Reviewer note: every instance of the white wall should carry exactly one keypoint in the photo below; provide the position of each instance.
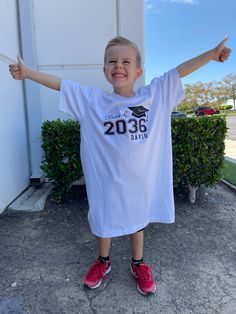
(65, 38)
(14, 161)
(71, 37)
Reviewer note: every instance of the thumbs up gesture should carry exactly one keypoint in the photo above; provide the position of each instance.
(19, 70)
(221, 51)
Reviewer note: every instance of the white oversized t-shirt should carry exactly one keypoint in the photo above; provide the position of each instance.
(126, 153)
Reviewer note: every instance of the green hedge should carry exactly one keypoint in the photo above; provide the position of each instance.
(198, 152)
(61, 162)
(189, 111)
(225, 107)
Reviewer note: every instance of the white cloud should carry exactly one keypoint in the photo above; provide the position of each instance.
(151, 6)
(191, 2)
(156, 6)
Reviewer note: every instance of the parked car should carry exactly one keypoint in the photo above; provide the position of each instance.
(202, 111)
(180, 114)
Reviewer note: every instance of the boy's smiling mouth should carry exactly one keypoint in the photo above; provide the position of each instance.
(119, 75)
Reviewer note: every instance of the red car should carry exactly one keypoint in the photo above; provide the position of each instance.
(202, 111)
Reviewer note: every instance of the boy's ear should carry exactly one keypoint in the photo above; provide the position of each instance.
(139, 72)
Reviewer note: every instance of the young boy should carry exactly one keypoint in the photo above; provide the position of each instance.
(125, 149)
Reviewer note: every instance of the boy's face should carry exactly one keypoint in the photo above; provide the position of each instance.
(121, 69)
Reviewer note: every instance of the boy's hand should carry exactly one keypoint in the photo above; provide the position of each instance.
(19, 70)
(221, 52)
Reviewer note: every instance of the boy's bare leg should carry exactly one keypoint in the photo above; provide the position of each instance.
(104, 245)
(101, 267)
(137, 243)
(140, 270)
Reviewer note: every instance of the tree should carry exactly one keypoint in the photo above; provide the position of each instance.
(198, 94)
(228, 87)
(212, 93)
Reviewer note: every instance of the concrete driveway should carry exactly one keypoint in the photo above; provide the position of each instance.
(230, 142)
(45, 255)
(231, 124)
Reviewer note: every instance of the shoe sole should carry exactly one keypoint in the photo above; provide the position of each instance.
(99, 283)
(138, 288)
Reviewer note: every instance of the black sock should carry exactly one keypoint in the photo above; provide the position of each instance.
(103, 259)
(137, 262)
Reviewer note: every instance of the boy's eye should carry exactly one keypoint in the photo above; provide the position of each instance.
(127, 62)
(111, 61)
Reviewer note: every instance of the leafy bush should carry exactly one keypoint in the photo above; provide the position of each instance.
(61, 162)
(225, 107)
(198, 152)
(189, 111)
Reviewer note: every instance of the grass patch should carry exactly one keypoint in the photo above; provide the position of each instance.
(228, 113)
(229, 172)
(222, 113)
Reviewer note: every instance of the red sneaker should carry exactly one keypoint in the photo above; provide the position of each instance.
(144, 279)
(96, 274)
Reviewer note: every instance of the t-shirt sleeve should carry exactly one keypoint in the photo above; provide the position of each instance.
(74, 99)
(169, 87)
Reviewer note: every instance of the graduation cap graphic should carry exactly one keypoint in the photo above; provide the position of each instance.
(138, 111)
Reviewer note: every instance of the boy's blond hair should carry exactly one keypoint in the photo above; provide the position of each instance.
(119, 40)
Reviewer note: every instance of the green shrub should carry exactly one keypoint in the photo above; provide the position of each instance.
(198, 152)
(189, 111)
(225, 107)
(61, 162)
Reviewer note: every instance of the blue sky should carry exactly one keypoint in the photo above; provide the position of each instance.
(178, 30)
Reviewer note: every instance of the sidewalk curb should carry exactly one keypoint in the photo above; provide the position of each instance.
(231, 186)
(233, 160)
(32, 200)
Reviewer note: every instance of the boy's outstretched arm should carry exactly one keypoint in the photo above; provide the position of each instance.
(220, 53)
(21, 71)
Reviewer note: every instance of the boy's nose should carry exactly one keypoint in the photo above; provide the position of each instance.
(118, 65)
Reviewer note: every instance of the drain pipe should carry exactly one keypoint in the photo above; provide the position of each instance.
(30, 90)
